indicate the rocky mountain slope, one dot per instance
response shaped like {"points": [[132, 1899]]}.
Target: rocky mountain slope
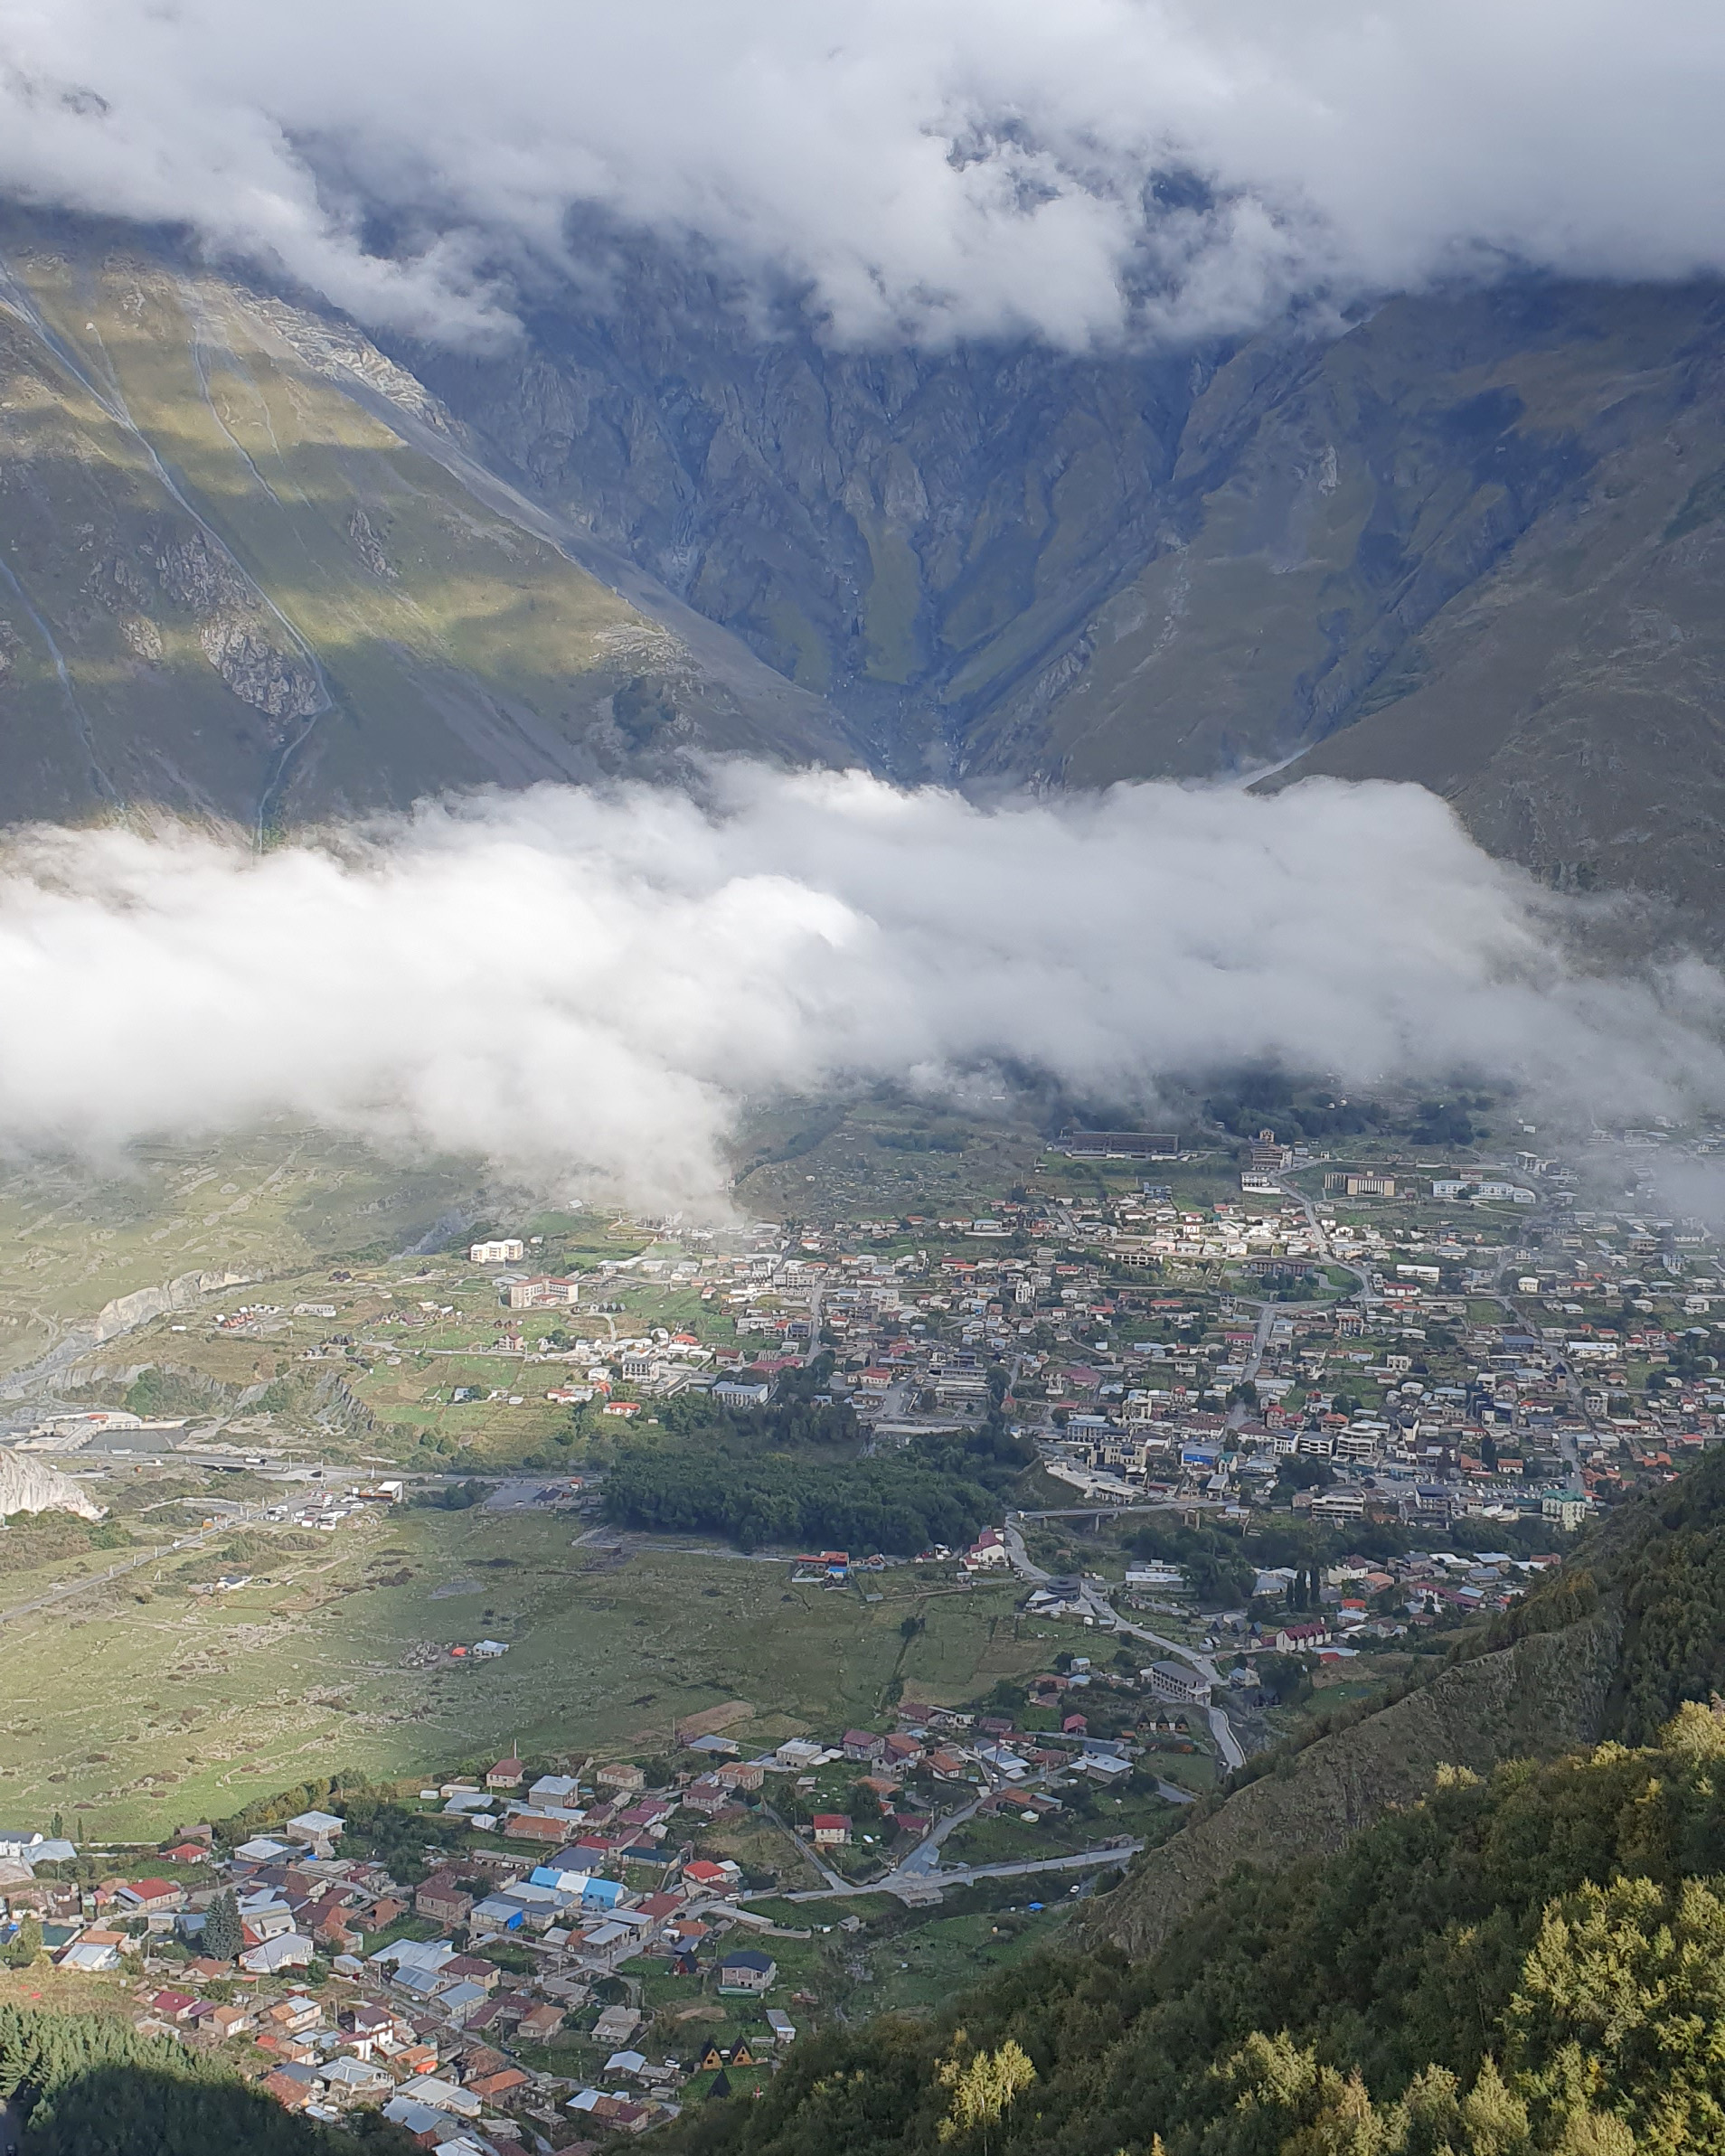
{"points": [[1543, 1696], [248, 571], [1609, 1647], [254, 566], [1474, 543]]}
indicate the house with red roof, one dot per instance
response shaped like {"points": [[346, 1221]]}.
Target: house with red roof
{"points": [[292, 2094], [711, 1878], [149, 1896]]}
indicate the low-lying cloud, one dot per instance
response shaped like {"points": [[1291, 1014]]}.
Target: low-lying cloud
{"points": [[587, 988], [930, 168]]}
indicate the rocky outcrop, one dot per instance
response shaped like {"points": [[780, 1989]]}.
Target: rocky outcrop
{"points": [[200, 576], [126, 1311], [245, 645], [142, 638], [26, 1485], [259, 671], [1544, 1695], [367, 545]]}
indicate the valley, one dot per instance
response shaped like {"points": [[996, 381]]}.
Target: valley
{"points": [[918, 1600], [1468, 543], [861, 1079]]}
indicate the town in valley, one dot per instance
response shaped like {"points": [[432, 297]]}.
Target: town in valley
{"points": [[584, 1653]]}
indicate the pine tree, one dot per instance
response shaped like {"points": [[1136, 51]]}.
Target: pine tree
{"points": [[222, 1937], [27, 1945], [984, 2087]]}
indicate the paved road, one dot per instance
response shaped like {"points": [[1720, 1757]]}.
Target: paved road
{"points": [[1320, 1242], [894, 1405], [1111, 1510], [1232, 1751], [962, 1875], [1108, 1618], [1012, 1536], [836, 1882], [925, 1858], [1261, 1341]]}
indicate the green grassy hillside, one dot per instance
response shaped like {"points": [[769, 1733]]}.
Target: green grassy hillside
{"points": [[243, 574], [74, 1240]]}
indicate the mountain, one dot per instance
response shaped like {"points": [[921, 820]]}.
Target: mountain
{"points": [[1545, 1695], [258, 566], [1631, 1627], [250, 572], [1474, 543], [1524, 1964]]}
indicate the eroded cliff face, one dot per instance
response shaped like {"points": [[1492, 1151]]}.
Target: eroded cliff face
{"points": [[904, 532], [27, 1485]]}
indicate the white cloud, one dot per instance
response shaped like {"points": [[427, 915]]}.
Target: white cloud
{"points": [[934, 167], [585, 988]]}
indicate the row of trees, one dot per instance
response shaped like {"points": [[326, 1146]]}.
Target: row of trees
{"points": [[898, 1505], [764, 1487], [795, 1420]]}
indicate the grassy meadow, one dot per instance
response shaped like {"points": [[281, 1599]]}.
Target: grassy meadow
{"points": [[136, 1706]]}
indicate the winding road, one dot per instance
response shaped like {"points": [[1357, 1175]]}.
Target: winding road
{"points": [[1107, 1616], [964, 1875]]}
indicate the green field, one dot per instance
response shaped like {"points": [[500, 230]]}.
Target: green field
{"points": [[133, 1716], [289, 1217], [922, 1967]]}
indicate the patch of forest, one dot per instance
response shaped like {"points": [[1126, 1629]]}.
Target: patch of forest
{"points": [[789, 1474], [92, 2085]]}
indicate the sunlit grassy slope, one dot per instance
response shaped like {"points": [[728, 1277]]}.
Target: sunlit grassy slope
{"points": [[72, 1240], [228, 584]]}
